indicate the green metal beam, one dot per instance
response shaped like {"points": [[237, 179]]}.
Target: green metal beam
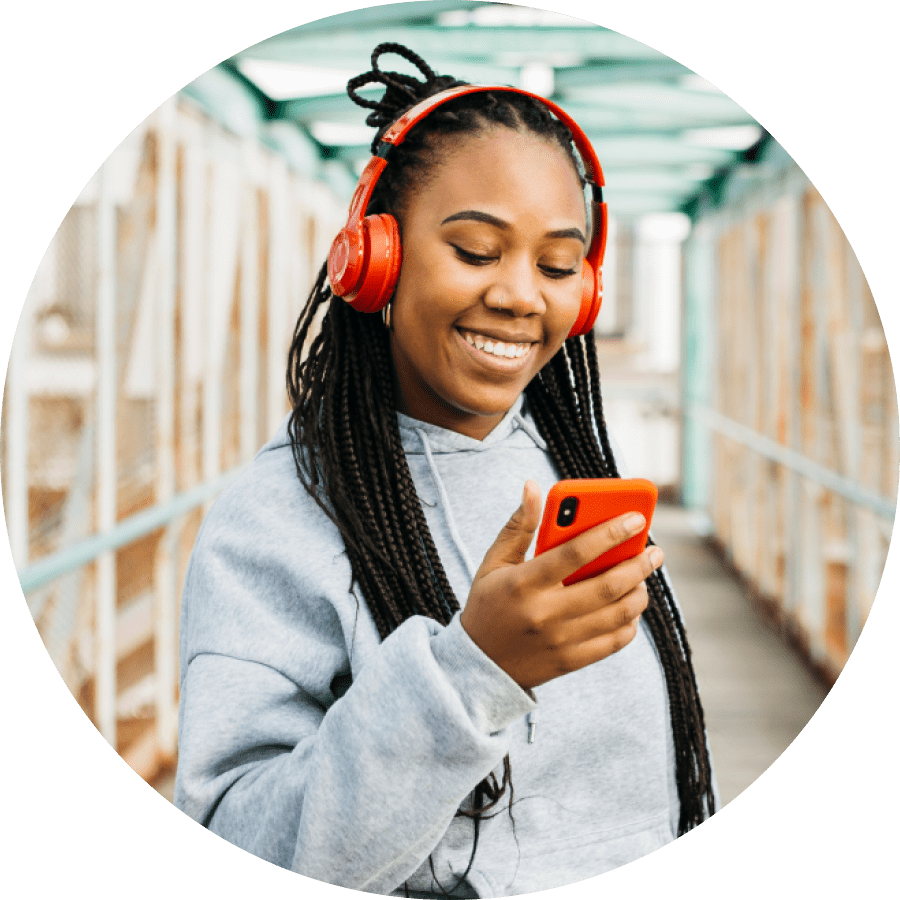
{"points": [[423, 12], [631, 100], [655, 150], [652, 116], [592, 75], [638, 153], [603, 127], [655, 180], [624, 121], [451, 47], [619, 109], [633, 205], [124, 532], [326, 108], [658, 99], [228, 101]]}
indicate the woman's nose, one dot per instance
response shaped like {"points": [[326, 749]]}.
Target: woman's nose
{"points": [[515, 290]]}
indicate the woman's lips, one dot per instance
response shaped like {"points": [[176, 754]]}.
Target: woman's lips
{"points": [[506, 354]]}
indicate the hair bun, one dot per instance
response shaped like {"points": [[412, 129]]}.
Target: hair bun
{"points": [[401, 92]]}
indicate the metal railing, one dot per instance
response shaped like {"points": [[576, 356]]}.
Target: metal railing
{"points": [[124, 532], [147, 370], [845, 487]]}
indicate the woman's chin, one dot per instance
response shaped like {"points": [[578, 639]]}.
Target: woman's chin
{"points": [[477, 417]]}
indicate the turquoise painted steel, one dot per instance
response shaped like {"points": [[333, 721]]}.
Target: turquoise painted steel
{"points": [[710, 419], [125, 532], [697, 367]]}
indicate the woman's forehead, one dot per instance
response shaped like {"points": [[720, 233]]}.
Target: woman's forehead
{"points": [[502, 168]]}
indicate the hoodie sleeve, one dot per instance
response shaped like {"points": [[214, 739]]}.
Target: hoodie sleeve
{"points": [[355, 791]]}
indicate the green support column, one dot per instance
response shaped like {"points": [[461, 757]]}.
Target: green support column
{"points": [[697, 366]]}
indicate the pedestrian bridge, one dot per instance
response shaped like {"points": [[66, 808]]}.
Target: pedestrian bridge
{"points": [[745, 369]]}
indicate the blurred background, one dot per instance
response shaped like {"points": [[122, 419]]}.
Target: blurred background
{"points": [[745, 370]]}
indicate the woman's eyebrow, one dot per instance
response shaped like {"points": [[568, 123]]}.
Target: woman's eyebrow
{"points": [[475, 215], [567, 233], [478, 216]]}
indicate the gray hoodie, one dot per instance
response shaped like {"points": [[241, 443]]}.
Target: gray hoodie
{"points": [[311, 743]]}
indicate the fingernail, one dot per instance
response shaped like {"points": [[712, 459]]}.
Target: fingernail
{"points": [[633, 524], [656, 557]]}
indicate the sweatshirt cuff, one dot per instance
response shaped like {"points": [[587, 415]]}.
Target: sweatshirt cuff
{"points": [[491, 698]]}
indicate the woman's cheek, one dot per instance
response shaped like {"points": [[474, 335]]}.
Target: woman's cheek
{"points": [[566, 311]]}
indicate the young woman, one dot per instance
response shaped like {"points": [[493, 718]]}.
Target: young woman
{"points": [[366, 639]]}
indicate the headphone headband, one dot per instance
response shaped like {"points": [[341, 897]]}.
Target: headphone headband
{"points": [[350, 253], [397, 132]]}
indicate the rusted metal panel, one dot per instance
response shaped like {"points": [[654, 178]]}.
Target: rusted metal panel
{"points": [[205, 244], [801, 365]]}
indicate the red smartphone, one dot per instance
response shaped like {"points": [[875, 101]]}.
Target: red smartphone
{"points": [[578, 504]]}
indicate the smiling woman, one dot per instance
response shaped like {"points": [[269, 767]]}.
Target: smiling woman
{"points": [[491, 279], [365, 640]]}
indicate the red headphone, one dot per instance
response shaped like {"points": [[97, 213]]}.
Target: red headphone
{"points": [[364, 262]]}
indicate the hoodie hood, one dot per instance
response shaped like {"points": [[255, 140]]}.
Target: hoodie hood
{"points": [[516, 426], [514, 429]]}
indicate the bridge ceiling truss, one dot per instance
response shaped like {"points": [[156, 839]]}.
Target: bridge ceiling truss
{"points": [[664, 135]]}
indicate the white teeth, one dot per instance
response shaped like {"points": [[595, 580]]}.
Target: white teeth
{"points": [[497, 348]]}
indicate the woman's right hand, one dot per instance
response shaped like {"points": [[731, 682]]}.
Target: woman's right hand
{"points": [[521, 615]]}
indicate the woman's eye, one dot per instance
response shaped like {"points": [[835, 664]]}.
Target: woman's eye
{"points": [[474, 259], [552, 272], [478, 259]]}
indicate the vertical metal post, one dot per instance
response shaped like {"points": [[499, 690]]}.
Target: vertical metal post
{"points": [[105, 659], [211, 379], [164, 569], [222, 242], [276, 352], [792, 295], [15, 481], [249, 314], [698, 379], [816, 445], [193, 274]]}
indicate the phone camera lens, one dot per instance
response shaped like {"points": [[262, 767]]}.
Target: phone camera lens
{"points": [[566, 514]]}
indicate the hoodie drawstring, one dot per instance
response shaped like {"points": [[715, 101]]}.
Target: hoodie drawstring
{"points": [[445, 502], [531, 718]]}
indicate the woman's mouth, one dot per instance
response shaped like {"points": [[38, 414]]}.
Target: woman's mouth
{"points": [[494, 347]]}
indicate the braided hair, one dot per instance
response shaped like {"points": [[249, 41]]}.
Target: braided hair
{"points": [[346, 440]]}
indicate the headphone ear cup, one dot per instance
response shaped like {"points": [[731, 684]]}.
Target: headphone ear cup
{"points": [[346, 261], [591, 293], [382, 258]]}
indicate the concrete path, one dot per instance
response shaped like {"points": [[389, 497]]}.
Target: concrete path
{"points": [[757, 693]]}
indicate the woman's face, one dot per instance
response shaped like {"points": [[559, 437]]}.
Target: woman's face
{"points": [[490, 285]]}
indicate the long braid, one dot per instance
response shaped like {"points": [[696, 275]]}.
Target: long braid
{"points": [[439, 601], [693, 771], [399, 575], [346, 439]]}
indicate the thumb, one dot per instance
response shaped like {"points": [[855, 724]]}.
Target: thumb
{"points": [[516, 535]]}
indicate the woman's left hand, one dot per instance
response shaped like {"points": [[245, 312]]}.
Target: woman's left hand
{"points": [[532, 625]]}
